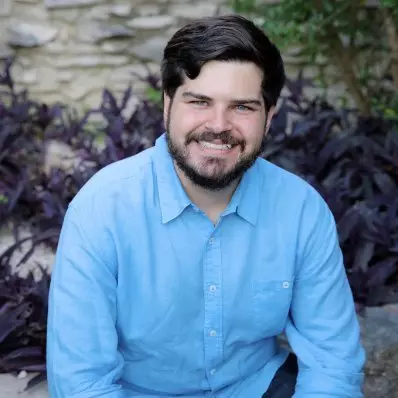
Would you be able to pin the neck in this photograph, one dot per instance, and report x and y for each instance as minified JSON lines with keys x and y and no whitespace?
{"x":213,"y":203}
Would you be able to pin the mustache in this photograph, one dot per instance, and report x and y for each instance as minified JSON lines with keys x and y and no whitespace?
{"x":224,"y":136}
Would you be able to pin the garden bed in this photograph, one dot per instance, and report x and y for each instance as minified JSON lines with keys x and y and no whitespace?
{"x":47,"y":152}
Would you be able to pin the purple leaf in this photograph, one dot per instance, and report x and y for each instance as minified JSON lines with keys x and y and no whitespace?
{"x":380,"y":272}
{"x":11,"y":318}
{"x":110,"y":100}
{"x":41,"y":377}
{"x":126,"y":97}
{"x":24,"y":352}
{"x":350,"y":222}
{"x":364,"y":255}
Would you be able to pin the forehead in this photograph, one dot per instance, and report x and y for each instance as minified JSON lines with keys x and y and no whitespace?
{"x":226,"y":79}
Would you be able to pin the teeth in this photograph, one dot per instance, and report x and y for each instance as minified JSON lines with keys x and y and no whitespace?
{"x":224,"y":147}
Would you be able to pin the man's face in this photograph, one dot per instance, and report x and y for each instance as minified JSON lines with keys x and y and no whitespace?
{"x":216,"y":123}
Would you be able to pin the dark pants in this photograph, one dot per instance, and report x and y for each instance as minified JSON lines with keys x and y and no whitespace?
{"x":284,"y":382}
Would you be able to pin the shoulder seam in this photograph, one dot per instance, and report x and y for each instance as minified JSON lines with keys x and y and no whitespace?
{"x":131,"y":176}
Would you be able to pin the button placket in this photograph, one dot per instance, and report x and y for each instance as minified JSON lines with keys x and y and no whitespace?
{"x":286,"y":285}
{"x":212,"y":305}
{"x":212,"y":288}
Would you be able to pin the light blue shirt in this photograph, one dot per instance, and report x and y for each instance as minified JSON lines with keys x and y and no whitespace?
{"x":150,"y":299}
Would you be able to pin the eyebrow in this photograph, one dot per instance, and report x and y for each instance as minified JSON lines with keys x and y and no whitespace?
{"x":201,"y":97}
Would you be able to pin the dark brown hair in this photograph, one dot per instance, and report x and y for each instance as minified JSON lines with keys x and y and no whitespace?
{"x":222,"y":38}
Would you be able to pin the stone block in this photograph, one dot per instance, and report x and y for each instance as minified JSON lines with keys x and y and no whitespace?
{"x":121,"y":10}
{"x":69,"y":3}
{"x":147,"y":10}
{"x":65,"y":76}
{"x":29,"y":76}
{"x":97,"y":13}
{"x":5,"y":51}
{"x":90,"y":61}
{"x":94,"y":32}
{"x":55,"y":48}
{"x":30,"y":13}
{"x":26,"y":34}
{"x":69,"y":15}
{"x":115,"y":46}
{"x":152,"y":22}
{"x":81,"y":87}
{"x":150,"y":50}
{"x":190,"y":11}
{"x":5,"y":8}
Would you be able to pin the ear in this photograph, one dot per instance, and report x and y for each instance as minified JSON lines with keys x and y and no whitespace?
{"x":270,"y":115}
{"x":166,"y":105}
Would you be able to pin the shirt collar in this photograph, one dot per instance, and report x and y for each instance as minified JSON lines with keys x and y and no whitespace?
{"x":173,"y":198}
{"x":246,"y":198}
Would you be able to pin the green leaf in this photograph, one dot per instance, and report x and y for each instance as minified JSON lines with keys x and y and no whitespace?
{"x":154,"y":95}
{"x":3,"y":199}
{"x":243,"y":6}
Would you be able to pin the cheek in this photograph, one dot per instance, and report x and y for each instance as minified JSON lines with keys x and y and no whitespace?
{"x":252,"y":130}
{"x":194,"y":118}
{"x":185,"y":120}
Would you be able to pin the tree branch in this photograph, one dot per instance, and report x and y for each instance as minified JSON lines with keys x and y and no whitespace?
{"x":345,"y":65}
{"x":393,"y":43}
{"x":344,"y":62}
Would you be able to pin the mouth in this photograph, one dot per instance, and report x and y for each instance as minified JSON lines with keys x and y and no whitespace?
{"x":216,"y":148}
{"x":212,"y":145}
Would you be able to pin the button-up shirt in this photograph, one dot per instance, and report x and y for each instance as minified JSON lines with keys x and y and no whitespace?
{"x":149,"y":298}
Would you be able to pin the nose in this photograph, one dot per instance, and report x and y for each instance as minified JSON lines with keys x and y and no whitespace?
{"x":219,"y":120}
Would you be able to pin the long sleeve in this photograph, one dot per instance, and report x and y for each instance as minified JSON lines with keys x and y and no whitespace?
{"x":82,"y":356}
{"x":323,"y":329}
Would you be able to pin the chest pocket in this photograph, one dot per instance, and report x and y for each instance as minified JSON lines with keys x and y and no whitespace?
{"x":271,"y":304}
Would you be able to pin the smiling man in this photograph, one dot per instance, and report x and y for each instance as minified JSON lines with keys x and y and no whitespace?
{"x":177,"y":268}
{"x":215,"y":129}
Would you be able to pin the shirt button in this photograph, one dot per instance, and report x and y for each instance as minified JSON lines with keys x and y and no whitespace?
{"x":212,"y":372}
{"x":213,"y":333}
{"x":213,"y":288}
{"x":286,"y":285}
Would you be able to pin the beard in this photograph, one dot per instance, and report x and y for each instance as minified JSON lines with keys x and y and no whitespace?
{"x":218,"y":178}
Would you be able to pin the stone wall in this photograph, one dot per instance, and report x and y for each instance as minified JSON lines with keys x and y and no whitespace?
{"x":68,"y":50}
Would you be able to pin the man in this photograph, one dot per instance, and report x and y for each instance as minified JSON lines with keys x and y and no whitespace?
{"x":178,"y":267}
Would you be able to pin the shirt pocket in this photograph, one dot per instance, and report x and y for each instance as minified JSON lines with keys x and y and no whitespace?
{"x":271,"y":304}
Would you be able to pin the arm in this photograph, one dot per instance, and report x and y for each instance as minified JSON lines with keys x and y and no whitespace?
{"x":82,"y":356}
{"x":323,"y":329}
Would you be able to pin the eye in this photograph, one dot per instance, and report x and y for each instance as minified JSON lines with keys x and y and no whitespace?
{"x":243,"y":108}
{"x":199,"y":103}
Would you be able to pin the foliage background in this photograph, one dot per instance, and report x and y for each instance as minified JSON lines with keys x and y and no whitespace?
{"x":354,"y":42}
{"x":348,"y":151}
